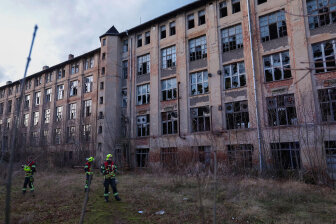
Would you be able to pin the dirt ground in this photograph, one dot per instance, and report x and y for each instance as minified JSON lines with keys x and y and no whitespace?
{"x":59,"y":197}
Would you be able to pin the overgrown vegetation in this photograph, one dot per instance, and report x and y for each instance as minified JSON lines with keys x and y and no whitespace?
{"x":60,"y":193}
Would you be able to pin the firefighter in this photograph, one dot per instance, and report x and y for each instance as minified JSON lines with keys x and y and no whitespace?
{"x":109,"y":171}
{"x":88,"y":171}
{"x":29,"y":169}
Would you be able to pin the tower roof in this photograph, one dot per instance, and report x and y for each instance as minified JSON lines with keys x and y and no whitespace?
{"x":111,"y":32}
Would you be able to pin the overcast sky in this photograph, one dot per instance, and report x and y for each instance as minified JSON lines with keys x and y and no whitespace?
{"x":65,"y":26}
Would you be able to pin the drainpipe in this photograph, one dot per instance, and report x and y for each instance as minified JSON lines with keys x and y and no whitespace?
{"x":178,"y":112}
{"x":255,"y":91}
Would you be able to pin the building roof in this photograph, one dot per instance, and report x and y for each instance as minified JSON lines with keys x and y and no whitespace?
{"x":52,"y":68}
{"x":166,"y":16}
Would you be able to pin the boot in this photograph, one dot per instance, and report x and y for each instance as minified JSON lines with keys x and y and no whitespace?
{"x":117,"y":198}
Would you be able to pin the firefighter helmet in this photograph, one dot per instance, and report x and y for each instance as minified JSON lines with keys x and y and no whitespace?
{"x":109,"y":156}
{"x":26,"y":168}
{"x":90,"y":159}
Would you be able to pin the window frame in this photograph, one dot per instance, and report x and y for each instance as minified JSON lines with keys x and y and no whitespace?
{"x":144,"y":94}
{"x":319,"y":15}
{"x":168,"y":57}
{"x":266,"y":21}
{"x":239,"y":77}
{"x":143,"y":126}
{"x":281,"y":105}
{"x":169,"y":123}
{"x":232,"y":41}
{"x":172,"y":82}
{"x":143,"y":61}
{"x":328,"y":64}
{"x":237,"y":115}
{"x":198,"y":48}
{"x":197,"y":114}
{"x":284,"y":68}
{"x":196,"y":83}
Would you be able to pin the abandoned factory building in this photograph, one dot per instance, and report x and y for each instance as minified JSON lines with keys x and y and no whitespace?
{"x":253,"y":80}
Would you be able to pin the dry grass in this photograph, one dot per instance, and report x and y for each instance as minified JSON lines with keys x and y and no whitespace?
{"x":59,"y":197}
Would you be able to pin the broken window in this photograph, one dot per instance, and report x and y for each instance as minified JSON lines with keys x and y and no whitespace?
{"x":35,"y":138}
{"x":144,"y":64}
{"x":204,"y":154}
{"x":88,"y":84}
{"x":147,"y":38}
{"x":103,"y":71}
{"x":125,"y":69}
{"x":327,"y":99}
{"x":87,"y":132}
{"x":277,"y":66}
{"x":139,"y":40}
{"x":104,"y":42}
{"x":281,"y":110}
{"x":101,"y":115}
{"x":59,"y":112}
{"x":37,"y":98}
{"x":261,"y":1}
{"x":100,"y":129}
{"x":223,"y":9}
{"x":60,"y":92}
{"x":47,"y":116}
{"x":27,"y":101}
{"x":168,"y":89}
{"x":168,"y":57}
{"x":48,"y":95}
{"x":240,"y":156}
{"x":36,"y":117}
{"x":201,"y":17}
{"x":57,"y":136}
{"x":103,"y":56}
{"x":286,"y":155}
{"x":8,"y":123}
{"x":143,"y":94}
{"x":200,"y":119}
{"x":2,"y":93}
{"x":124,"y":98}
{"x":73,"y":88}
{"x":71,"y":132}
{"x":169,"y":122}
{"x":60,"y":73}
{"x":87,"y":108}
{"x":125,"y":46}
{"x":1,"y":108}
{"x":101,"y":85}
{"x":74,"y":68}
{"x":325,"y":56}
{"x":234,"y":75}
{"x":321,"y":12}
{"x":142,"y":157}
{"x":237,"y":115}
{"x":163,"y":33}
{"x":38,"y":81}
{"x":143,"y":125}
{"x":235,"y":6}
{"x":191,"y":22}
{"x":168,"y":157}
{"x":48,"y":77}
{"x":26,"y":120}
{"x":199,"y":83}
{"x":172,"y":28}
{"x":273,"y":26}
{"x":232,"y":38}
{"x":330,"y":150}
{"x":101,"y":100}
{"x":72,"y":111}
{"x":197,"y":48}
{"x":9,"y":106}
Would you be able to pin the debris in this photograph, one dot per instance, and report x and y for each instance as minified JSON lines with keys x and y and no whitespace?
{"x":140,"y":212}
{"x":160,"y":212}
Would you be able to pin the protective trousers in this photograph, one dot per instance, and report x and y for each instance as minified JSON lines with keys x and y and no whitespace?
{"x":107,"y":182}
{"x":88,"y":181}
{"x":30,"y":182}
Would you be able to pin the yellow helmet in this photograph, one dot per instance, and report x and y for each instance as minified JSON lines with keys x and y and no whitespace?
{"x":90,"y":159}
{"x":109,"y":156}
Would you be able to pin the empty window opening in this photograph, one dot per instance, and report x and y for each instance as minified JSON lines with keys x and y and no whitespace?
{"x":235,"y":6}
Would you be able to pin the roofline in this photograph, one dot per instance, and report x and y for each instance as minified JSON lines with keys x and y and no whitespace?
{"x":163,"y":17}
{"x":52,"y":68}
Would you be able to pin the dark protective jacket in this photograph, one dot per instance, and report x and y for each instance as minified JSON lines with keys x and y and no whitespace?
{"x":108,"y":170}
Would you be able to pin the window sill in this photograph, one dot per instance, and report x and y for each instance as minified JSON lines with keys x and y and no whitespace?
{"x":283,"y":80}
{"x":233,"y":89}
{"x":171,"y":100}
{"x":198,"y":95}
{"x":143,"y":74}
{"x":283,"y":126}
{"x":325,"y":73}
{"x":169,"y":135}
